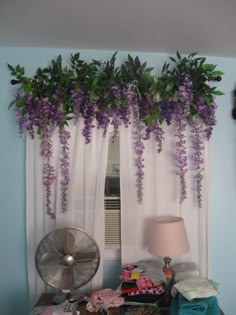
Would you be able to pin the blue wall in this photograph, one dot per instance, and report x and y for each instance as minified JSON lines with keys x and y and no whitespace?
{"x":13,"y":273}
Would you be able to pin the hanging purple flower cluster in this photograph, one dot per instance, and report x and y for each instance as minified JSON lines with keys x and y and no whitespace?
{"x":208,"y":115}
{"x":64,"y":136}
{"x":85,"y":108}
{"x":182,"y":110}
{"x":45,"y":116}
{"x":197,"y":158}
{"x":138,"y":129}
{"x":180,"y":150}
{"x":167,"y":108}
{"x":48,"y":170}
{"x":200,"y":132}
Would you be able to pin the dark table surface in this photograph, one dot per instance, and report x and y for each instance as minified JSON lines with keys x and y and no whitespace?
{"x":46,"y":300}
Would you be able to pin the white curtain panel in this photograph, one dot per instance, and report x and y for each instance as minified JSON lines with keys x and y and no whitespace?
{"x":85,"y":197}
{"x":160,"y":197}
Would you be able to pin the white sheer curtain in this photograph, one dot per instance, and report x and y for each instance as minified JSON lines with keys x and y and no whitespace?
{"x":85,"y":197}
{"x":160,"y":197}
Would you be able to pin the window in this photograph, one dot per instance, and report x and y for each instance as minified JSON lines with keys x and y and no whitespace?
{"x":112,"y":201}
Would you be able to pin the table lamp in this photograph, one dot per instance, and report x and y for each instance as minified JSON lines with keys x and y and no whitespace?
{"x":167,"y":238}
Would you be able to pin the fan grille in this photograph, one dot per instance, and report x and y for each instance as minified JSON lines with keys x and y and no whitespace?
{"x":67,"y":258}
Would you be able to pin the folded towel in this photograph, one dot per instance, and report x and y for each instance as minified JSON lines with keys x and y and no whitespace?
{"x":213,"y":306}
{"x":204,"y":306}
{"x":195,"y":307}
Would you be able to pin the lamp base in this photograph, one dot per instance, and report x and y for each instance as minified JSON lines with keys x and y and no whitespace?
{"x":167,"y":270}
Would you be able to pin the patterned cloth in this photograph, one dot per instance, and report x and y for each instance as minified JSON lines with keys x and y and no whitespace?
{"x":104,"y":299}
{"x":158,"y":290}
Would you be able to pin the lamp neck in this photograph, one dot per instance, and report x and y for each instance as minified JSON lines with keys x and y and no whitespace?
{"x":167,"y":270}
{"x":167,"y":261}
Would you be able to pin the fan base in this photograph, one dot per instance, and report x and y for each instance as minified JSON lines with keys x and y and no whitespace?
{"x":61,"y":297}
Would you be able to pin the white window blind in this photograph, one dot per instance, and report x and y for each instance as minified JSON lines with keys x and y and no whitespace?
{"x":112,"y":222}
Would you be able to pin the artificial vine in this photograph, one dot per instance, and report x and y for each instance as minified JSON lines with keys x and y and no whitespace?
{"x":117,"y":95}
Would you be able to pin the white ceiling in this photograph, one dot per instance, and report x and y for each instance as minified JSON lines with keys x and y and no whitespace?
{"x":207,"y":27}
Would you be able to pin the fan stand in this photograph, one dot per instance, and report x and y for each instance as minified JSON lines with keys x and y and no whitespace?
{"x":65,"y":295}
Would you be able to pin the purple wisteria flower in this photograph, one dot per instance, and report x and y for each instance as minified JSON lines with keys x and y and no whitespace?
{"x":158,"y":133}
{"x":64,"y":136}
{"x":103,"y":120}
{"x":197,"y":158}
{"x":43,"y":115}
{"x":167,"y":110}
{"x":119,"y":114}
{"x":86,"y":109}
{"x":77,"y":97}
{"x":138,"y":134}
{"x":182,"y":110}
{"x":181,"y":151}
{"x":48,"y":170}
{"x":208,"y":114}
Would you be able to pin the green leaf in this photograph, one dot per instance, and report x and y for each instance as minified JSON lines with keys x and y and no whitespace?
{"x":148,"y":120}
{"x":202,"y":62}
{"x":91,"y":96}
{"x":178,"y":55}
{"x":163,"y":68}
{"x":94,"y":83}
{"x":217,"y":73}
{"x":218,"y":93}
{"x":11,"y":68}
{"x":169,"y":86}
{"x":130,"y":59}
{"x":208,"y":66}
{"x":137,"y":61}
{"x":172,"y":59}
{"x":18,"y":68}
{"x":192,"y":54}
{"x":207,"y":100}
{"x":59,"y":60}
{"x":149,"y":69}
{"x":11,"y":104}
{"x":69,"y":117}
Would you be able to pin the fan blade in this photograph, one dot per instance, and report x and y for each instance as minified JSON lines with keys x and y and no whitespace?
{"x":83,"y":274}
{"x":48,"y":245}
{"x":68,"y":241}
{"x":50,"y":275}
{"x":50,"y":258}
{"x":84,"y":245}
{"x":85,"y":257}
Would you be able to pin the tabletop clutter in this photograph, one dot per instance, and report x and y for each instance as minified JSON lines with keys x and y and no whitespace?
{"x":143,"y":289}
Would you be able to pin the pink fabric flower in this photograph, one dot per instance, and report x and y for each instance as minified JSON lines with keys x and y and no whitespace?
{"x":144,"y":282}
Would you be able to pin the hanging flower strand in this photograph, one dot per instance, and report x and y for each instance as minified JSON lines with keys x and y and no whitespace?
{"x":64,"y":136}
{"x":181,"y":152}
{"x":182,"y":111}
{"x":48,"y":170}
{"x":137,"y":134}
{"x":111,"y":95}
{"x":197,"y":158}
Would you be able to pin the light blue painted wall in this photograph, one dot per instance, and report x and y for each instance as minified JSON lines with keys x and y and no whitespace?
{"x":13,"y":274}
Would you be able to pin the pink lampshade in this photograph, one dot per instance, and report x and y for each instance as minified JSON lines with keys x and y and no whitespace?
{"x":168,"y":236}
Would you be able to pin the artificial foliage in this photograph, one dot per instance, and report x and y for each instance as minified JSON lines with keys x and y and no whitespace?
{"x":127,"y":94}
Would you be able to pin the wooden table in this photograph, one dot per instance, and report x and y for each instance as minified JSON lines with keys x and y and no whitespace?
{"x":46,"y":300}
